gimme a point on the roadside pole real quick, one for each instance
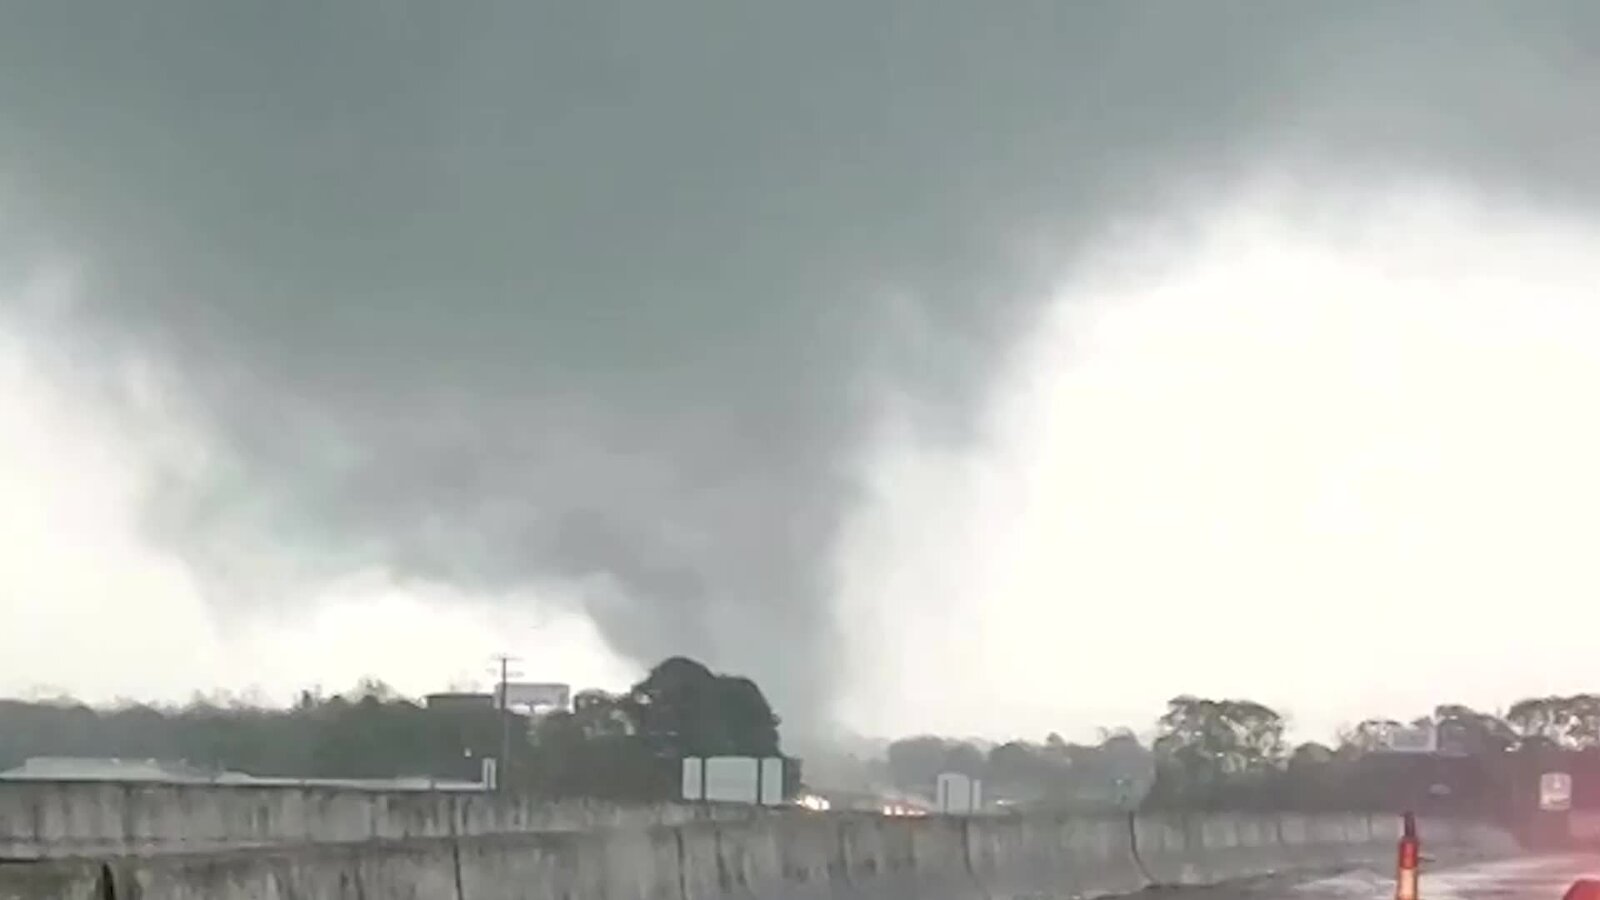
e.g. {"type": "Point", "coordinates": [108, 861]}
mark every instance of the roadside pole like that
{"type": "Point", "coordinates": [1406, 886]}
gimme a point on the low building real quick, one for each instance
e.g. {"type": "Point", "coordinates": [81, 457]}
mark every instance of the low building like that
{"type": "Point", "coordinates": [157, 771]}
{"type": "Point", "coordinates": [77, 768]}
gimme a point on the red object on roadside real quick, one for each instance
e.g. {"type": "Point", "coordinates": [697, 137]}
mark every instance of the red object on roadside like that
{"type": "Point", "coordinates": [1583, 889]}
{"type": "Point", "coordinates": [1406, 880]}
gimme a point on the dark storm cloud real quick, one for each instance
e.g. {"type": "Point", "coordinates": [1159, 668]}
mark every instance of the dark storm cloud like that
{"type": "Point", "coordinates": [499, 293]}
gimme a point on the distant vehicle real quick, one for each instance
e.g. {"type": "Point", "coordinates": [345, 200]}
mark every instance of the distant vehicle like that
{"type": "Point", "coordinates": [908, 810]}
{"type": "Point", "coordinates": [813, 802]}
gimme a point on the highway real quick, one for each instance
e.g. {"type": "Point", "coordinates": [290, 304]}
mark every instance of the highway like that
{"type": "Point", "coordinates": [1527, 878]}
{"type": "Point", "coordinates": [1538, 878]}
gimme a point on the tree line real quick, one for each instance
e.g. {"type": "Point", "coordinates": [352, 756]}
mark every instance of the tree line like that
{"type": "Point", "coordinates": [1206, 753]}
{"type": "Point", "coordinates": [1234, 753]}
{"type": "Point", "coordinates": [1111, 773]}
{"type": "Point", "coordinates": [625, 747]}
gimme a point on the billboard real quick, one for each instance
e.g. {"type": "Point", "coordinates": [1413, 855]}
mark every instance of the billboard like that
{"type": "Point", "coordinates": [734, 779]}
{"type": "Point", "coordinates": [536, 695]}
{"type": "Point", "coordinates": [957, 795]}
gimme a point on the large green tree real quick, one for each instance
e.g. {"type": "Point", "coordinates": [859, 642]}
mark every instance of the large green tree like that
{"type": "Point", "coordinates": [1571, 722]}
{"type": "Point", "coordinates": [916, 762]}
{"type": "Point", "coordinates": [630, 746]}
{"type": "Point", "coordinates": [1464, 730]}
{"type": "Point", "coordinates": [1368, 736]}
{"type": "Point", "coordinates": [1209, 749]}
{"type": "Point", "coordinates": [1225, 736]}
{"type": "Point", "coordinates": [683, 709]}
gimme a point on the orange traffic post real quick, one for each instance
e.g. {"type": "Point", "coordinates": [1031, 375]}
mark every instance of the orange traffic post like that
{"type": "Point", "coordinates": [1405, 882]}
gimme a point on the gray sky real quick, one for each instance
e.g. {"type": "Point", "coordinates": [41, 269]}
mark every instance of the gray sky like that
{"type": "Point", "coordinates": [903, 356]}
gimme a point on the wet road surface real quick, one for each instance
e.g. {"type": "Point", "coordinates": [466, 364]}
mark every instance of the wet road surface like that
{"type": "Point", "coordinates": [1530, 878]}
{"type": "Point", "coordinates": [1534, 878]}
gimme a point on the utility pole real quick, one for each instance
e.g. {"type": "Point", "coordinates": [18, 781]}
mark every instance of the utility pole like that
{"type": "Point", "coordinates": [503, 767]}
{"type": "Point", "coordinates": [503, 671]}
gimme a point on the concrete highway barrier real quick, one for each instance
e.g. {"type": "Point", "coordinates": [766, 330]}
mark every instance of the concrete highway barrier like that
{"type": "Point", "coordinates": [55, 818]}
{"type": "Point", "coordinates": [1204, 849]}
{"type": "Point", "coordinates": [1054, 856]}
{"type": "Point", "coordinates": [769, 856]}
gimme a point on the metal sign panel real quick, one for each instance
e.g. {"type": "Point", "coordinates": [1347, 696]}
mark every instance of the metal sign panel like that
{"type": "Point", "coordinates": [958, 794]}
{"type": "Point", "coordinates": [734, 779]}
{"type": "Point", "coordinates": [1555, 792]}
{"type": "Point", "coordinates": [537, 695]}
{"type": "Point", "coordinates": [694, 785]}
{"type": "Point", "coordinates": [771, 781]}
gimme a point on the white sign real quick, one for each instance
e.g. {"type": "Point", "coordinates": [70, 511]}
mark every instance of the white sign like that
{"type": "Point", "coordinates": [694, 779]}
{"type": "Point", "coordinates": [1555, 792]}
{"type": "Point", "coordinates": [772, 781]}
{"type": "Point", "coordinates": [537, 696]}
{"type": "Point", "coordinates": [958, 795]}
{"type": "Point", "coordinates": [734, 779]}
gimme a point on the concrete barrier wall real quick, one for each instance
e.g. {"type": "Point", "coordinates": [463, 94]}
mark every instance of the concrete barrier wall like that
{"type": "Point", "coordinates": [55, 819]}
{"type": "Point", "coordinates": [57, 880]}
{"type": "Point", "coordinates": [1453, 833]}
{"type": "Point", "coordinates": [772, 856]}
{"type": "Point", "coordinates": [1213, 848]}
{"type": "Point", "coordinates": [1583, 825]}
{"type": "Point", "coordinates": [1054, 856]}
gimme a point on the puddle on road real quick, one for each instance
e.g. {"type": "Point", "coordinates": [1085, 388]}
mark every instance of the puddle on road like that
{"type": "Point", "coordinates": [1355, 883]}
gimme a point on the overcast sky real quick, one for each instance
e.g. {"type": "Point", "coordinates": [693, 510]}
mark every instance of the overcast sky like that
{"type": "Point", "coordinates": [982, 368]}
